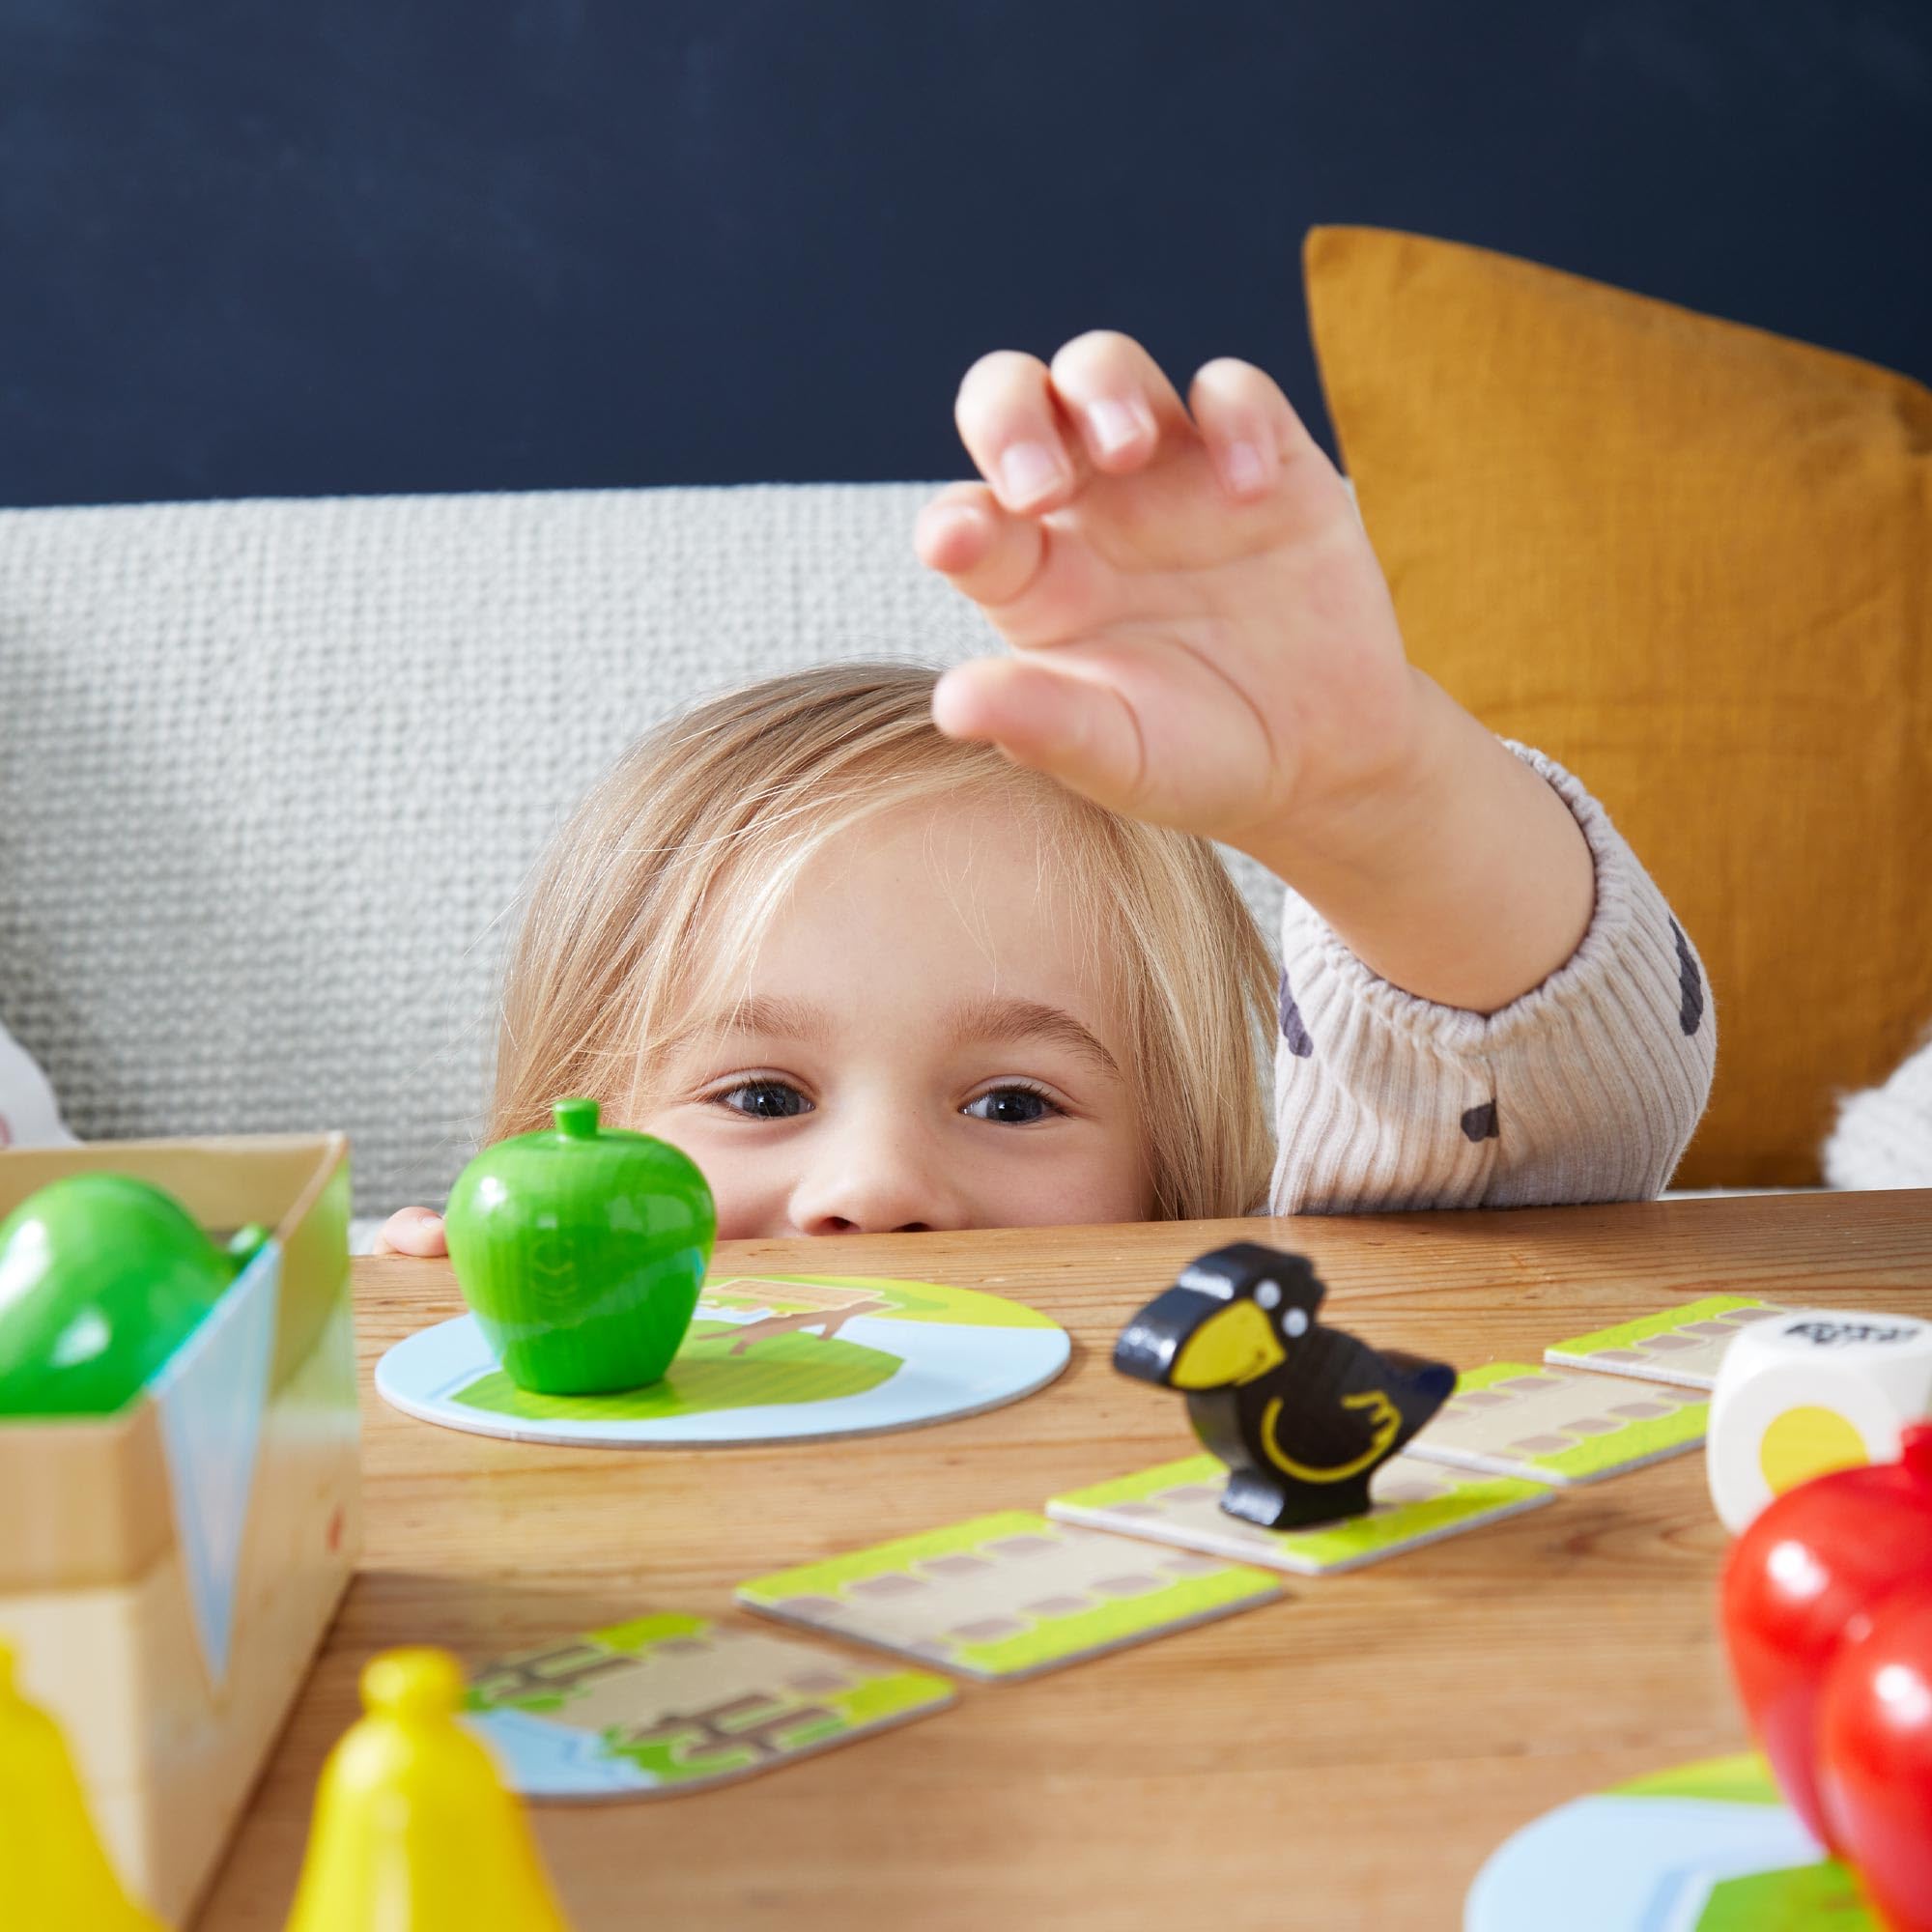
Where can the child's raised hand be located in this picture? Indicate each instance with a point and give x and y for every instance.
(1204, 636)
(1204, 639)
(412, 1230)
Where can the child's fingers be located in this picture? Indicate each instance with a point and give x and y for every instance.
(1012, 430)
(1076, 728)
(1117, 394)
(1247, 424)
(965, 535)
(412, 1230)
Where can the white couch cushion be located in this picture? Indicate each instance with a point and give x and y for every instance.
(28, 1113)
(271, 773)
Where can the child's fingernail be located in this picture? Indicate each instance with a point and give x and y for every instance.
(1247, 468)
(1028, 472)
(1116, 425)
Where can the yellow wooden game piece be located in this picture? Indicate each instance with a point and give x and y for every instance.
(414, 1831)
(55, 1872)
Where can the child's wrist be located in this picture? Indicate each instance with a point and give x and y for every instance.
(1465, 881)
(1366, 829)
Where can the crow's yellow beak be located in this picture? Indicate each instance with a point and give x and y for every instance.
(1187, 1340)
(1234, 1345)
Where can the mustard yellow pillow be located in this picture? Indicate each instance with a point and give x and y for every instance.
(1692, 561)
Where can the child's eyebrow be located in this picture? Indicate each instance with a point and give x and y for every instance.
(1013, 1019)
(993, 1018)
(768, 1012)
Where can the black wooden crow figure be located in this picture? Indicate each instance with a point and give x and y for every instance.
(1301, 1414)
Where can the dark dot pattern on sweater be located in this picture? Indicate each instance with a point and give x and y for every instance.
(1479, 1123)
(1293, 1031)
(1689, 983)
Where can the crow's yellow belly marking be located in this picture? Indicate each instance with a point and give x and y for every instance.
(1380, 1411)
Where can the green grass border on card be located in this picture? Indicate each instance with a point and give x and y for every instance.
(1629, 1333)
(1742, 1778)
(1638, 1441)
(1183, 1601)
(835, 1572)
(1106, 1626)
(1145, 1483)
(1821, 1897)
(1330, 1545)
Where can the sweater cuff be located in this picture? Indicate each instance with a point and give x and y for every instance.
(1630, 927)
(1585, 1088)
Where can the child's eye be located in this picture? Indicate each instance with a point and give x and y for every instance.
(1011, 1106)
(764, 1100)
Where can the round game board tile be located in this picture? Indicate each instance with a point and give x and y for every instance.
(768, 1359)
(1706, 1848)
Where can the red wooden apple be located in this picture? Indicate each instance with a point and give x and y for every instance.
(1875, 1756)
(1806, 1579)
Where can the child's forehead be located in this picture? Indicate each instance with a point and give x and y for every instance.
(971, 862)
(954, 905)
(1015, 824)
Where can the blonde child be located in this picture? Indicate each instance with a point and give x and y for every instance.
(884, 949)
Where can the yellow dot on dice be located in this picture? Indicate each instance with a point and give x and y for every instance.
(1806, 1442)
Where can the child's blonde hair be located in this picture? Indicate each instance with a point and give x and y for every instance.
(661, 884)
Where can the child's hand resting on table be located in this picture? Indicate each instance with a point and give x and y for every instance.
(412, 1230)
(1204, 639)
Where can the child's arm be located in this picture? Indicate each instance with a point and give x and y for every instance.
(1204, 639)
(1586, 1088)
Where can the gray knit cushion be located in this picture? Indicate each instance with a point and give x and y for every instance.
(271, 773)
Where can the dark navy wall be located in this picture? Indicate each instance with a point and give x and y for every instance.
(299, 246)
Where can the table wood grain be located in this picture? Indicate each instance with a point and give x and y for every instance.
(1343, 1758)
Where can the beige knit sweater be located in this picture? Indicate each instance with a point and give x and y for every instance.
(1584, 1089)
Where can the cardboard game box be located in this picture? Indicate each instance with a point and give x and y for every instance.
(166, 1574)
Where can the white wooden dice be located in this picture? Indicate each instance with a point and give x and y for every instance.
(1811, 1390)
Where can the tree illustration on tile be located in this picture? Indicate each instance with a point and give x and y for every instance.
(544, 1680)
(808, 1306)
(672, 1701)
(723, 1737)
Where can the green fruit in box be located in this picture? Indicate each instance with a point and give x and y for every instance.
(581, 1252)
(103, 1277)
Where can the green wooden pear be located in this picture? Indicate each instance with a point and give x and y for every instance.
(580, 1250)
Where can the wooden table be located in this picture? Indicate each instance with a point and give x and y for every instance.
(1344, 1758)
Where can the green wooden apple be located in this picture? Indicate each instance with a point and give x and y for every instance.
(103, 1277)
(580, 1250)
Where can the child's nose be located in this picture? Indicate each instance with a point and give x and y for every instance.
(872, 1184)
